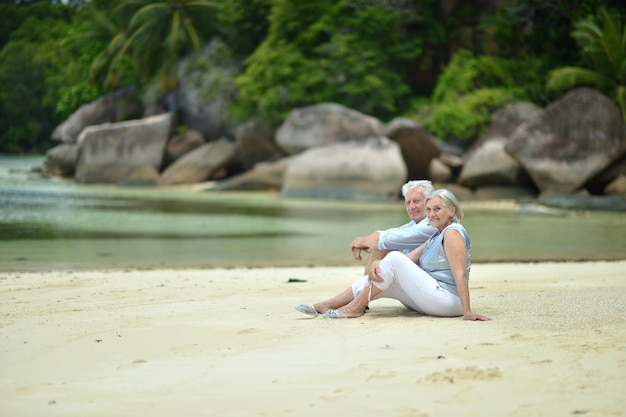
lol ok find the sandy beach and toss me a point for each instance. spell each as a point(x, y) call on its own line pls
point(228, 342)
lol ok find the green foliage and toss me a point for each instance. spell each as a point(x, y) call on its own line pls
point(24, 119)
point(160, 33)
point(101, 36)
point(75, 96)
point(467, 117)
point(10, 19)
point(467, 72)
point(602, 41)
point(469, 89)
point(31, 68)
point(330, 52)
point(243, 24)
point(370, 55)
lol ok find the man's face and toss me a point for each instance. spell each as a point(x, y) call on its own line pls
point(414, 202)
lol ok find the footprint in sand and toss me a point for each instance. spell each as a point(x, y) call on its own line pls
point(464, 374)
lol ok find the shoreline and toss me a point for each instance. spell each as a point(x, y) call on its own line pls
point(229, 342)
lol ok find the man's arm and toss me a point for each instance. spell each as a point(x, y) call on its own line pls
point(364, 243)
point(407, 237)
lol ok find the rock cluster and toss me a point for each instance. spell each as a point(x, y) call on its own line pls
point(576, 146)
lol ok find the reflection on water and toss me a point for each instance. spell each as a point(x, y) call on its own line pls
point(54, 224)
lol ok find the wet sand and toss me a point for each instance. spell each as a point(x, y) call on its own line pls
point(228, 342)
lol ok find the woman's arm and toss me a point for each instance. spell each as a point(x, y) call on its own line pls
point(454, 246)
point(415, 254)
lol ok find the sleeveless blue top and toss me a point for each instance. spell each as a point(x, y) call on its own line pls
point(435, 262)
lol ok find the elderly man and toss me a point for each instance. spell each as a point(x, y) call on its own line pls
point(404, 238)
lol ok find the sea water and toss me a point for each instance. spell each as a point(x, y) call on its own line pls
point(56, 224)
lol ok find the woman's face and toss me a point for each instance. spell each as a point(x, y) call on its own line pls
point(414, 202)
point(438, 214)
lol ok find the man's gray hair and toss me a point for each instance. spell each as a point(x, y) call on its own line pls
point(449, 200)
point(424, 186)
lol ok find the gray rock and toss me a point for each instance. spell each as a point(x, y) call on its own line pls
point(490, 164)
point(372, 169)
point(111, 152)
point(599, 183)
point(439, 171)
point(505, 120)
point(204, 163)
point(181, 144)
point(324, 124)
point(577, 137)
point(146, 176)
point(617, 187)
point(61, 160)
point(264, 176)
point(255, 144)
point(417, 145)
point(109, 108)
point(500, 192)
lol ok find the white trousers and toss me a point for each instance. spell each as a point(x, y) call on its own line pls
point(406, 282)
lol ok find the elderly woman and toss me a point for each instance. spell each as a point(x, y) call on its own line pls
point(432, 279)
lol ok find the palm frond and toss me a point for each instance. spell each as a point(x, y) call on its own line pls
point(569, 77)
point(621, 98)
point(605, 45)
point(171, 39)
point(152, 13)
point(193, 35)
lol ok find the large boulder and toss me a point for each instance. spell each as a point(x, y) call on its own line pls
point(486, 162)
point(417, 145)
point(265, 176)
point(324, 124)
point(207, 162)
point(490, 164)
point(112, 152)
point(598, 184)
point(109, 108)
point(255, 144)
point(576, 138)
point(61, 160)
point(371, 169)
point(439, 171)
point(617, 187)
point(505, 120)
point(181, 144)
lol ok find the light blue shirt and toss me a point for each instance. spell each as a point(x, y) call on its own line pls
point(406, 237)
point(435, 262)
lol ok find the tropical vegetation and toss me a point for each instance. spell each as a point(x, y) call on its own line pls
point(446, 64)
point(602, 40)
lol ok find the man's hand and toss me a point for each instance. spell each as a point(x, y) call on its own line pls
point(357, 246)
point(364, 243)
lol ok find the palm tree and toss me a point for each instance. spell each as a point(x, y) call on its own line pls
point(144, 36)
point(605, 47)
point(111, 63)
point(160, 33)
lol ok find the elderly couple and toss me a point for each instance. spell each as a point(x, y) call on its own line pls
point(424, 264)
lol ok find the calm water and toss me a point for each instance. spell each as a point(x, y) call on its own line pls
point(55, 224)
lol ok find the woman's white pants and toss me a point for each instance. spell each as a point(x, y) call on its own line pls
point(406, 282)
